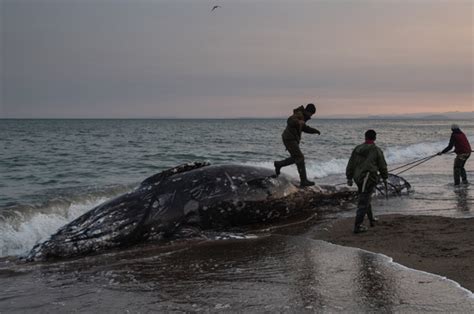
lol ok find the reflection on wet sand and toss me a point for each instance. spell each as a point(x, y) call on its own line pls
point(374, 286)
point(304, 274)
point(463, 203)
point(271, 273)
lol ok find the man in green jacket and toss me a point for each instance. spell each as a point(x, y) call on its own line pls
point(363, 167)
point(295, 125)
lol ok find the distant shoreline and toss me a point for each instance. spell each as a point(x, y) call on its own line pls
point(264, 118)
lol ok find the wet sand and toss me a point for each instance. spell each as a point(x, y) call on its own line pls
point(438, 245)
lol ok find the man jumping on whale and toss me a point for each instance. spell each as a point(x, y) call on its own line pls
point(296, 124)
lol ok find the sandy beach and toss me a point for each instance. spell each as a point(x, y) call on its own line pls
point(439, 245)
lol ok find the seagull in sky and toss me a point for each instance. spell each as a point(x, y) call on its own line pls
point(215, 7)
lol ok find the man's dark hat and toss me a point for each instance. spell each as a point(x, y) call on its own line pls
point(311, 108)
point(370, 135)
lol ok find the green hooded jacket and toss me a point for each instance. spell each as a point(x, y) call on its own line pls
point(366, 158)
point(296, 124)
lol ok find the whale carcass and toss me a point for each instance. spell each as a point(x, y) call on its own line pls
point(198, 195)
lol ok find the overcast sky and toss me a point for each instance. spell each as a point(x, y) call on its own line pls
point(248, 58)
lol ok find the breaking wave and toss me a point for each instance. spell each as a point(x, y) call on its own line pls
point(394, 156)
point(22, 226)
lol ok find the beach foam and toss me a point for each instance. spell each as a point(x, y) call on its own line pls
point(394, 156)
point(20, 231)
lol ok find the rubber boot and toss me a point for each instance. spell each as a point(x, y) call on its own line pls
point(363, 207)
point(457, 175)
point(283, 163)
point(360, 229)
point(370, 215)
point(464, 176)
point(303, 179)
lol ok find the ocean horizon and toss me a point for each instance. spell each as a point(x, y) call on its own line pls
point(450, 115)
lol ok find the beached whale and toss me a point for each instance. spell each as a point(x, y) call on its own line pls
point(196, 195)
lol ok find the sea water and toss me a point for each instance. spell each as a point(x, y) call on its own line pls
point(52, 171)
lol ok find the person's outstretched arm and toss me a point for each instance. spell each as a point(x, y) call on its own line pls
point(450, 145)
point(308, 129)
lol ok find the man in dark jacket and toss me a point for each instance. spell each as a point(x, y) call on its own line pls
point(295, 125)
point(363, 167)
point(462, 148)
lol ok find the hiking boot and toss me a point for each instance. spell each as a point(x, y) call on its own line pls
point(277, 166)
point(306, 182)
point(302, 172)
point(360, 229)
point(465, 182)
point(373, 221)
point(283, 163)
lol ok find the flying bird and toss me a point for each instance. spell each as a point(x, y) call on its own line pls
point(215, 7)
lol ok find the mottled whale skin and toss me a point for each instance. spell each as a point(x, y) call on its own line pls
point(196, 195)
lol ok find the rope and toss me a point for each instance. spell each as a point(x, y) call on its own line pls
point(411, 163)
point(415, 165)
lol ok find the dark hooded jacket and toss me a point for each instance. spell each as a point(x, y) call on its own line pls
point(296, 124)
point(366, 158)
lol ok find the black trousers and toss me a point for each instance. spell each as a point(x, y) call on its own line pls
point(458, 169)
point(365, 197)
point(293, 148)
